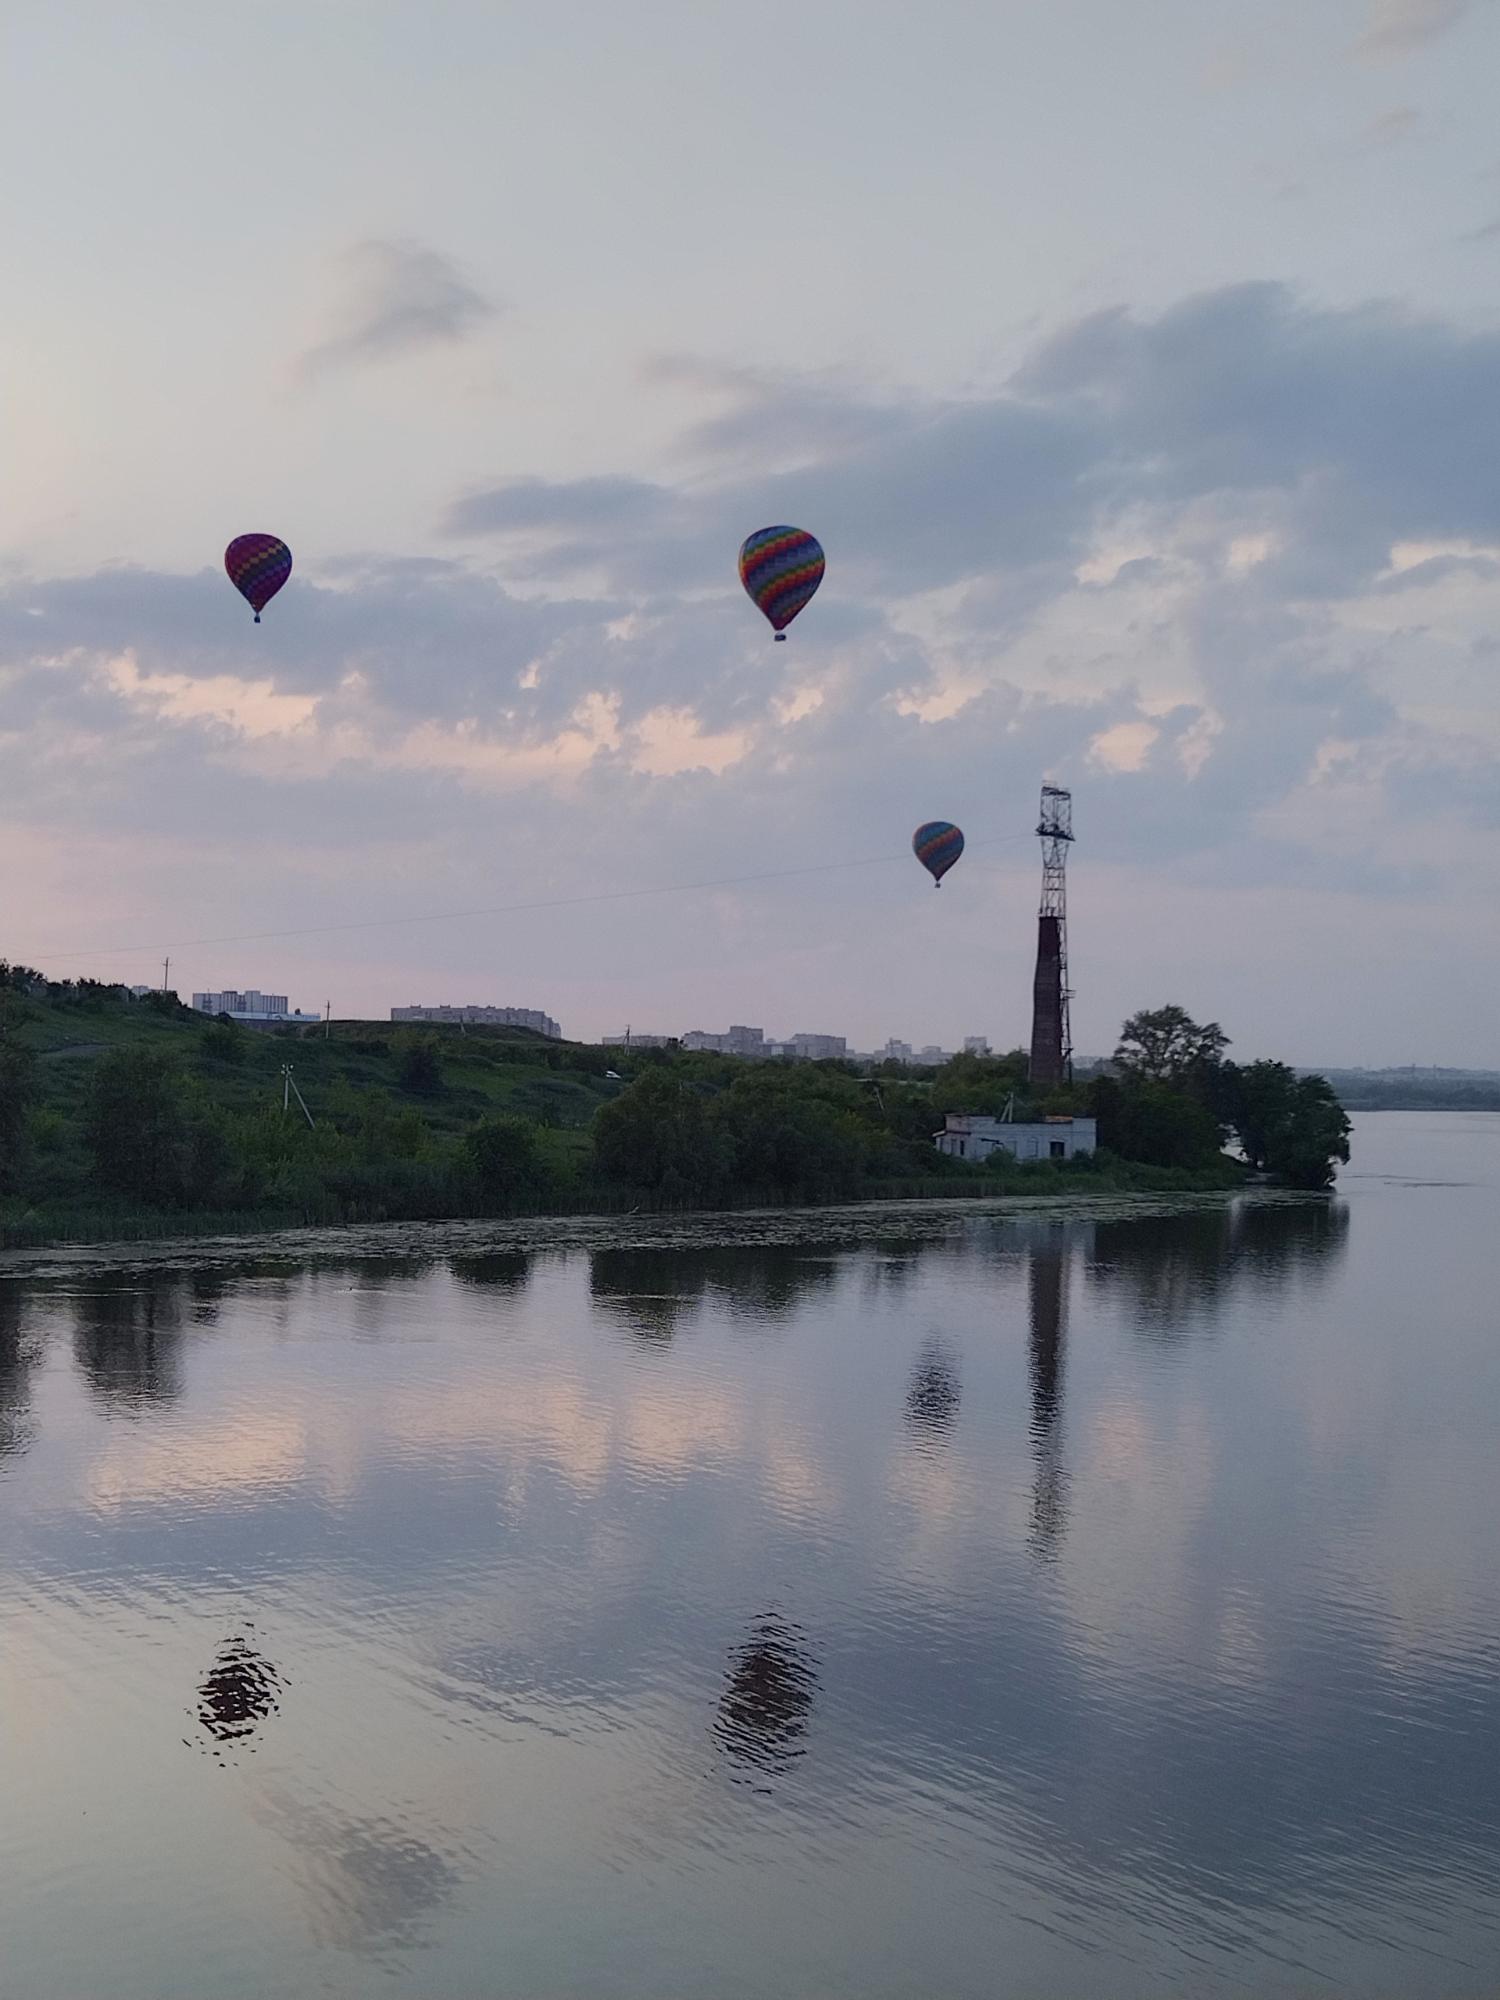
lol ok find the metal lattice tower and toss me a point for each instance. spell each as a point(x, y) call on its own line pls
point(1051, 1029)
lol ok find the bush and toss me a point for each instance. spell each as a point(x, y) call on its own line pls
point(1153, 1123)
point(136, 1127)
point(655, 1136)
point(222, 1041)
point(420, 1069)
point(782, 1141)
point(17, 1092)
point(503, 1163)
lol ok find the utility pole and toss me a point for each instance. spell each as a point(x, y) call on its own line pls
point(289, 1090)
point(166, 975)
point(327, 1019)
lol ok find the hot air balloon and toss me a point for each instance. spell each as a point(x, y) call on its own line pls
point(937, 845)
point(257, 566)
point(781, 568)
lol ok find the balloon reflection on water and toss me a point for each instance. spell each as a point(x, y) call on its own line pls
point(767, 1699)
point(240, 1690)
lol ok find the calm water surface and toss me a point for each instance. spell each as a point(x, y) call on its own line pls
point(1039, 1604)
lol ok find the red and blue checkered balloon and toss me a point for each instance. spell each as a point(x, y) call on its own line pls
point(781, 568)
point(937, 845)
point(257, 566)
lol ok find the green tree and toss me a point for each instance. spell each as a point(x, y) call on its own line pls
point(1255, 1099)
point(503, 1162)
point(17, 1092)
point(910, 1114)
point(978, 1083)
point(797, 1138)
point(1154, 1123)
point(136, 1127)
point(656, 1136)
point(213, 1172)
point(1293, 1127)
point(1166, 1045)
point(1313, 1140)
point(222, 1041)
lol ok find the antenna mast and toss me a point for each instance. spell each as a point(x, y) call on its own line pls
point(1051, 1028)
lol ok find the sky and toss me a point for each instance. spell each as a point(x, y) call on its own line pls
point(1138, 369)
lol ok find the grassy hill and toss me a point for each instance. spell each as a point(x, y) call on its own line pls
point(484, 1070)
point(359, 1080)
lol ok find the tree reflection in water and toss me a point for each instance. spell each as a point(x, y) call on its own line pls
point(933, 1398)
point(19, 1354)
point(650, 1290)
point(767, 1699)
point(493, 1270)
point(239, 1692)
point(1175, 1270)
point(127, 1336)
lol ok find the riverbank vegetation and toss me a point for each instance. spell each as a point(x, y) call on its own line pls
point(124, 1116)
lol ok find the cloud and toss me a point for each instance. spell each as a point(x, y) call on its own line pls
point(1391, 128)
point(396, 298)
point(1231, 568)
point(1395, 27)
point(1332, 433)
point(520, 506)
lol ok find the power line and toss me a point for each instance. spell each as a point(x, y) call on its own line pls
point(502, 909)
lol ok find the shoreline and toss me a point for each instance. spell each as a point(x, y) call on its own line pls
point(83, 1228)
point(836, 1225)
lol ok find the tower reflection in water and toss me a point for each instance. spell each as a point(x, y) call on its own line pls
point(1047, 1302)
point(767, 1699)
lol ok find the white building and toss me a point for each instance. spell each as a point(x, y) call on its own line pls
point(483, 1017)
point(976, 1045)
point(894, 1051)
point(968, 1135)
point(254, 1009)
point(267, 1005)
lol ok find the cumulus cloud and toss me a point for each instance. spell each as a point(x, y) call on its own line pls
point(396, 298)
point(1333, 433)
point(1395, 27)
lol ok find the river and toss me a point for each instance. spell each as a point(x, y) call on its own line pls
point(1075, 1603)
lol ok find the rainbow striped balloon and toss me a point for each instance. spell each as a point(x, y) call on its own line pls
point(257, 566)
point(781, 568)
point(937, 845)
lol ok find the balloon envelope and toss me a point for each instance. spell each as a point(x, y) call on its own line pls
point(937, 845)
point(257, 566)
point(781, 568)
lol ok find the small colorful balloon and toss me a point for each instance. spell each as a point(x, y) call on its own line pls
point(937, 845)
point(257, 566)
point(781, 568)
